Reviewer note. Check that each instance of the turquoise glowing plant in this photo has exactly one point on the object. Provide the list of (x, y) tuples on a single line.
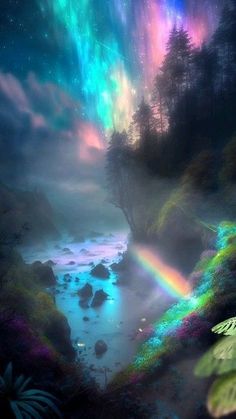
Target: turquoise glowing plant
[(221, 360), (189, 316), (22, 402)]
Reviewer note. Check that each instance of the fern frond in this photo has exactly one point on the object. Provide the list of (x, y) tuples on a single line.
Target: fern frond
[(227, 327), (225, 348), (222, 396), (26, 407), (219, 359)]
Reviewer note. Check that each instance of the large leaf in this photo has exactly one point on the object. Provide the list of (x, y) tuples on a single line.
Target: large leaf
[(220, 359), (7, 376), (29, 409), (19, 382), (2, 384), (37, 405), (35, 392), (48, 403), (227, 327), (16, 411), (225, 348), (24, 385), (222, 396)]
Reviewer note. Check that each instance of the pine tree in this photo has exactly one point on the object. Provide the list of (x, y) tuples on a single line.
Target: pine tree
[(159, 104), (174, 78), (224, 41), (143, 120)]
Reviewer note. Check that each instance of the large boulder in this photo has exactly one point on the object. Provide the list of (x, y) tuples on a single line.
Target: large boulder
[(100, 271), (117, 267), (67, 251), (84, 252), (100, 347), (99, 298), (44, 274), (67, 278), (86, 291), (58, 332)]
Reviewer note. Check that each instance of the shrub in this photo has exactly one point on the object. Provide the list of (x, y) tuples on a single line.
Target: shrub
[(22, 402)]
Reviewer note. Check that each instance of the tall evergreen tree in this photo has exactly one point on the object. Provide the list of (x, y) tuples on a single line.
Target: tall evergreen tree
[(159, 104), (176, 68), (224, 41), (143, 120)]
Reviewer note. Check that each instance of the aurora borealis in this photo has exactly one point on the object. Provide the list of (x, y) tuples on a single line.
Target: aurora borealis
[(114, 49), (71, 72), (117, 197)]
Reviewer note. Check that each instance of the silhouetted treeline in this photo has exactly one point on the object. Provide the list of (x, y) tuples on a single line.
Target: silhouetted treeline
[(190, 120)]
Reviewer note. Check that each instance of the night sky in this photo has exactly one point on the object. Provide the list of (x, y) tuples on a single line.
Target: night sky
[(72, 71)]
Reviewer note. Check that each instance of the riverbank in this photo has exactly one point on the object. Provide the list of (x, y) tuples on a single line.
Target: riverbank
[(120, 320)]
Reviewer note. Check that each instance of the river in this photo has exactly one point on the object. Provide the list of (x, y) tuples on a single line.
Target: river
[(118, 321)]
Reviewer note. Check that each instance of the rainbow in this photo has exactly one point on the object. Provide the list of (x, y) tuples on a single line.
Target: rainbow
[(168, 278), (185, 312)]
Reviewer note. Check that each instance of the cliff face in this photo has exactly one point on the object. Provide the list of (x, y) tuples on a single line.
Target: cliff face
[(34, 335), (25, 216)]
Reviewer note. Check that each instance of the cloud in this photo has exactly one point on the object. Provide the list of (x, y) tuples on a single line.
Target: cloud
[(45, 142), (41, 122)]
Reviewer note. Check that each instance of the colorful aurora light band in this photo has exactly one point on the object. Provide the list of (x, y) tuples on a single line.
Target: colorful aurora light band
[(115, 47), (168, 278)]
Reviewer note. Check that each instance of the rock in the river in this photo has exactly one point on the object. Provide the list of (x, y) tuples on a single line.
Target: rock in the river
[(58, 332), (44, 273), (77, 279), (67, 278), (115, 267), (122, 265), (86, 291), (100, 271), (100, 347), (86, 319), (99, 298), (84, 252), (67, 251)]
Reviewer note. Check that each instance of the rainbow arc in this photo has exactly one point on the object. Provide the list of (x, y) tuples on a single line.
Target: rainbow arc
[(172, 281)]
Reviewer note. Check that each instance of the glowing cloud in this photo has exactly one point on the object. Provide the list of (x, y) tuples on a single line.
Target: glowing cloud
[(90, 140)]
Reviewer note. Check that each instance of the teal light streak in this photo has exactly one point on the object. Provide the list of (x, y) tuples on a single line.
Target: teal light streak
[(98, 56)]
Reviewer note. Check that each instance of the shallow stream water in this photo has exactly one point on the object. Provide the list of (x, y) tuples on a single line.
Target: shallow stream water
[(117, 321)]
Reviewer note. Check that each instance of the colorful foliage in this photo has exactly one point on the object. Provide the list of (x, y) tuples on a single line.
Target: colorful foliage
[(188, 317), (23, 402)]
